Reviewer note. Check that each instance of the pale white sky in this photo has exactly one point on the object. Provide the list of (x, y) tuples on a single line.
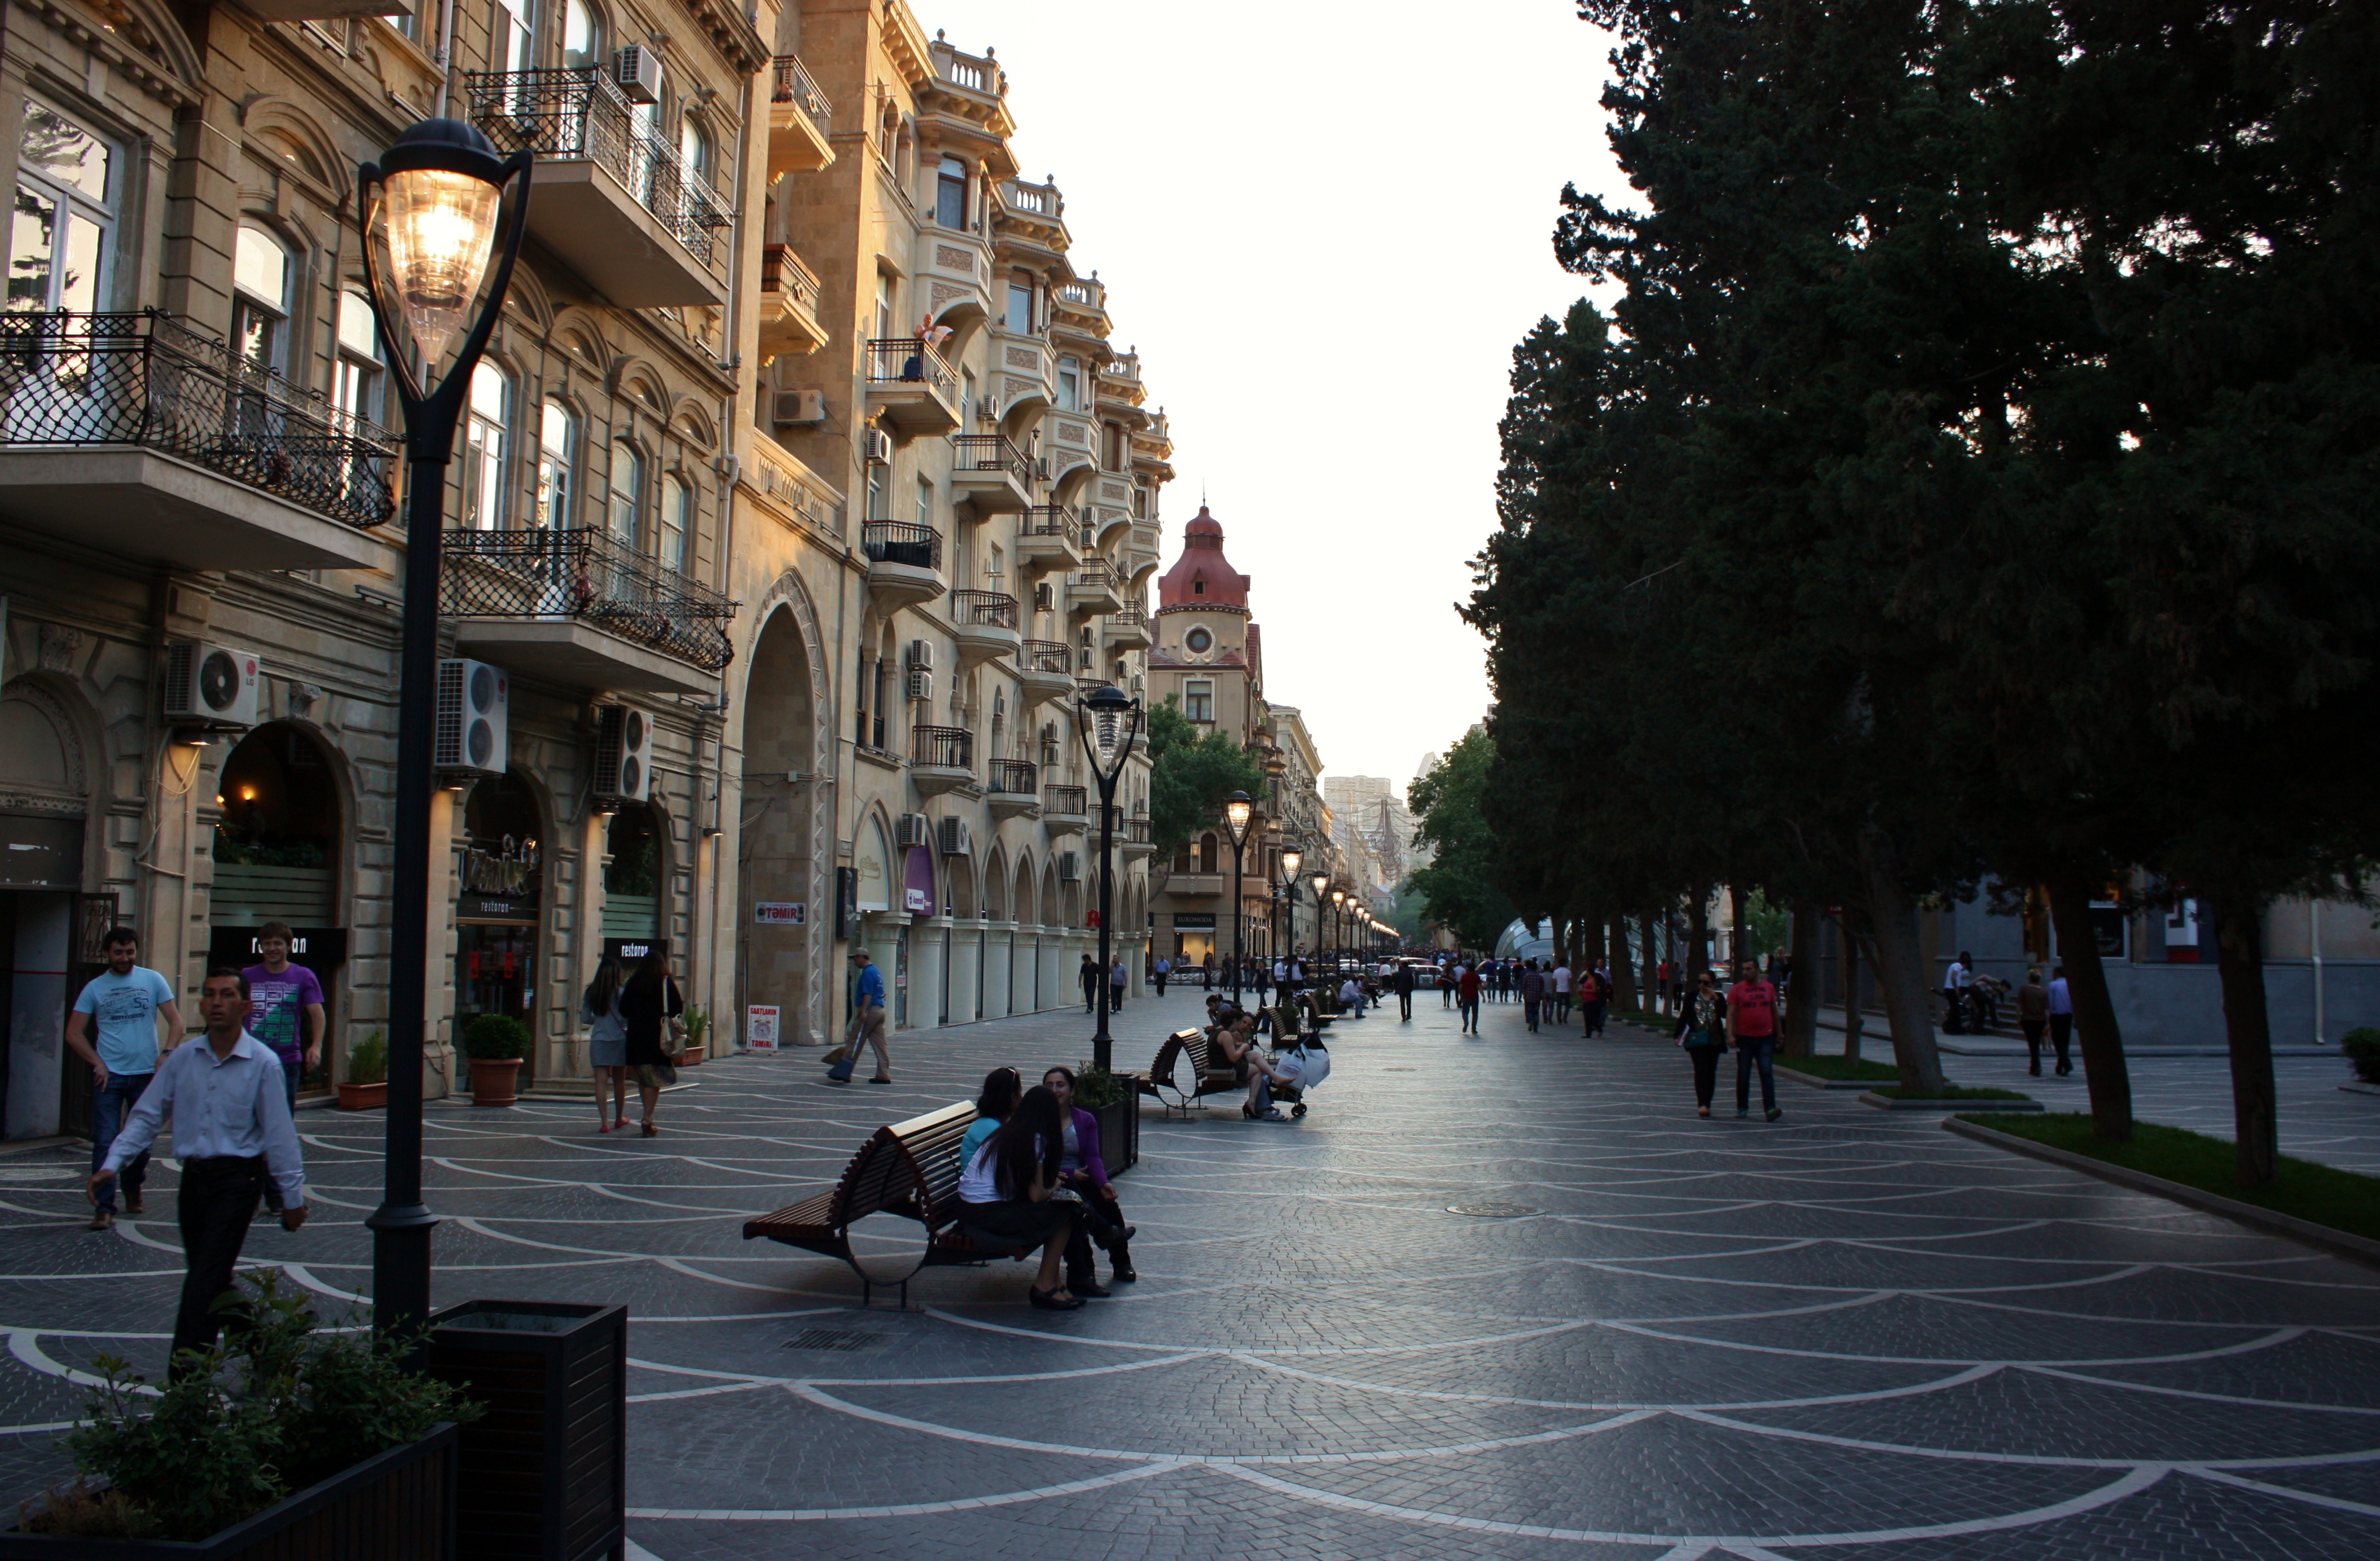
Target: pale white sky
[(1325, 225)]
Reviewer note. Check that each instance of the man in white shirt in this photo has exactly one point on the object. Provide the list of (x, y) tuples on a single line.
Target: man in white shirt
[(1562, 994), (231, 1130)]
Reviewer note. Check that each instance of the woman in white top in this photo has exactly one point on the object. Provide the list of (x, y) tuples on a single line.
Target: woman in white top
[(1005, 1188)]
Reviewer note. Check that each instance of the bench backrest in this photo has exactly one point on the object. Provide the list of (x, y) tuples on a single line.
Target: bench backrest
[(1190, 1045), (898, 1163)]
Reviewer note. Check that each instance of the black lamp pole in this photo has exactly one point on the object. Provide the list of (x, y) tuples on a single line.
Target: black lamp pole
[(1238, 814), (1100, 725), (431, 162)]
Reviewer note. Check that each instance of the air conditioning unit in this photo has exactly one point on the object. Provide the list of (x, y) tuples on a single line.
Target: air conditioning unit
[(1070, 866), (921, 655), (912, 831), (624, 754), (922, 685), (210, 685), (879, 445), (957, 840), (999, 703), (1045, 599), (800, 408), (987, 410), (636, 71), (473, 699)]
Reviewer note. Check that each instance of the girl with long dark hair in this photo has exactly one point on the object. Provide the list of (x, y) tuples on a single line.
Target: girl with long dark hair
[(607, 1044), (1002, 1089), (1006, 1191), (648, 1003)]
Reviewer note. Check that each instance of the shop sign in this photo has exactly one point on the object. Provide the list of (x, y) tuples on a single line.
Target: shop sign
[(628, 951), (781, 913), (487, 906), (920, 900), (760, 1027), (316, 948), (40, 853), (1194, 920)]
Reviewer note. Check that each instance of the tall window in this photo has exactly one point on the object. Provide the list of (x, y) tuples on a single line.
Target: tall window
[(582, 35), (66, 216), (516, 36), (358, 386), (884, 305), (678, 520), (483, 449), (557, 435), (260, 311), (1070, 384), (1198, 700), (876, 492), (1020, 304), (950, 193), (694, 145), (924, 502), (1114, 461), (627, 493)]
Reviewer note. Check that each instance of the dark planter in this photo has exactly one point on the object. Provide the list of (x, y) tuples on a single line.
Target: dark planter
[(397, 1506), (363, 1097), (544, 1472), (1119, 1134)]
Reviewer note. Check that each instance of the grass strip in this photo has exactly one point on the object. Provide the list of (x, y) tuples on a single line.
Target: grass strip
[(1842, 1068), (2344, 1201), (1949, 1093)]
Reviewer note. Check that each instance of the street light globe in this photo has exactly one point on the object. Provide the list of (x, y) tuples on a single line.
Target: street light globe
[(1338, 896), (441, 184), (1321, 882), (1289, 859), (1105, 711), (1238, 808)]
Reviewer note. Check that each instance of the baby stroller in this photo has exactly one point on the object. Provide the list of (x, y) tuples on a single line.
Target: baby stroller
[(1305, 1065)]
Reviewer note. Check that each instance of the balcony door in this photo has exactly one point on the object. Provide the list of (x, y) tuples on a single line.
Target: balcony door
[(61, 248)]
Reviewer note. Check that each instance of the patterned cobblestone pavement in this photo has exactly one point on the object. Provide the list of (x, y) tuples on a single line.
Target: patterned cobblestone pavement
[(1843, 1334)]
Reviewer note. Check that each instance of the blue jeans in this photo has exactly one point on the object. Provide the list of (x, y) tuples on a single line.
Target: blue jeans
[(108, 1109), (1750, 1049)]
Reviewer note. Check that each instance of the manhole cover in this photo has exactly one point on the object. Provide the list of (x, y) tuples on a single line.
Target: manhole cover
[(834, 1339), (1491, 1211)]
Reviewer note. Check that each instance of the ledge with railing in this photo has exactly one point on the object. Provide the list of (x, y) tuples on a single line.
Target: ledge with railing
[(783, 273), (1137, 832), (1073, 801), (902, 542), (1052, 520), (976, 73), (994, 452), (794, 85), (1015, 777), (1083, 293), (1033, 200), (146, 379), (587, 574), (983, 609), (908, 360), (578, 114), (1096, 575), (1046, 655), (941, 748), (1130, 614)]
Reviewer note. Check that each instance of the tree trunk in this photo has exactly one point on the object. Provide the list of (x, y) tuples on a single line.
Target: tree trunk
[(2240, 951), (1801, 1034), (2105, 1072), (1655, 1001), (1623, 970), (1900, 967), (1697, 935), (1854, 1021), (1737, 943)]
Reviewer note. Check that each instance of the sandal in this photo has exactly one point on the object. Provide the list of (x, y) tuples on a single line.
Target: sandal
[(1046, 1300), (603, 1125), (650, 1130), (623, 1120)]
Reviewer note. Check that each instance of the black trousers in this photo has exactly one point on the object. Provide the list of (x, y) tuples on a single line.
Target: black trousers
[(1405, 1004), (217, 1200), (1102, 1221), (2061, 1035), (1705, 1061)]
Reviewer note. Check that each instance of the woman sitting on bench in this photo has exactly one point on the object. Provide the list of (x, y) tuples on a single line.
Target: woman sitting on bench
[(1001, 1088), (1005, 1193), (1080, 1167), (1236, 1043)]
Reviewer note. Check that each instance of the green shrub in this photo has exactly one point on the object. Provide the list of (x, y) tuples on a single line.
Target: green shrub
[(2363, 1049), (496, 1038), (698, 1026), (1096, 1087), (368, 1061)]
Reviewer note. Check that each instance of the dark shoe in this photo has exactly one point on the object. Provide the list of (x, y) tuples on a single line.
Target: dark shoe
[(2034, 1070), (103, 1220), (133, 1205), (879, 1080), (1089, 1290), (1125, 1274), (1046, 1300), (650, 1130), (1774, 1112), (1742, 1112)]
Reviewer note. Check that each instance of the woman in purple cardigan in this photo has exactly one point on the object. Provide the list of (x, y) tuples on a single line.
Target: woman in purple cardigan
[(1081, 1168)]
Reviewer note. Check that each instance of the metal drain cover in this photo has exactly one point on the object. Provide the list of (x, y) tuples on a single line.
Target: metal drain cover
[(836, 1339), (1492, 1211)]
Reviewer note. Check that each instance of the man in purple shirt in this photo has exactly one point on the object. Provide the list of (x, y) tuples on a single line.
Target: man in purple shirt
[(286, 1016)]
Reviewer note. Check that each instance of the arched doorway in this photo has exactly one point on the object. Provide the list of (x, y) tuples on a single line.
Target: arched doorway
[(785, 910), (277, 853), (48, 931), (499, 909)]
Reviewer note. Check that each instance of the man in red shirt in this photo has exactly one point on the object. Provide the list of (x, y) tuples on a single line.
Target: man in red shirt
[(1466, 997), (1752, 1028)]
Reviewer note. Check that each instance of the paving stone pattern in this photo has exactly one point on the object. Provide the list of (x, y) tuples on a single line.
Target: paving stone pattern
[(1847, 1333)]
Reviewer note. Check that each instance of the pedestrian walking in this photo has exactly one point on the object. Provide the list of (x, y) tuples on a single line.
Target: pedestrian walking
[(1532, 992), (113, 1029), (1449, 978), (287, 1012), (867, 1018), (1702, 1030), (2033, 1016), (607, 1042), (1466, 986), (2061, 1018), (1751, 1027), (1163, 968), (650, 1001), (1561, 988), (1089, 976), (1404, 983), (1118, 979), (231, 1130), (1954, 995), (1593, 996)]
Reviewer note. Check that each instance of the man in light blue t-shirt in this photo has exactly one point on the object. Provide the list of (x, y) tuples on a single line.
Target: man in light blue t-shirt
[(122, 1005)]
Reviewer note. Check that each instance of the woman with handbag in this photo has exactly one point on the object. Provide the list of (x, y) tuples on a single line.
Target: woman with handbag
[(651, 1004), (1702, 1030)]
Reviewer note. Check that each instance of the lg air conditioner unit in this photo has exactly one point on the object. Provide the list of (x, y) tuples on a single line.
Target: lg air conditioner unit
[(921, 655), (1070, 868), (957, 840), (624, 754), (473, 698), (879, 445), (636, 71), (800, 408), (922, 685), (912, 832), (211, 686), (987, 410)]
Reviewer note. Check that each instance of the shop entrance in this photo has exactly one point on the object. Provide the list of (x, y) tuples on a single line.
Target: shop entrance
[(277, 854), (497, 920), (49, 946)]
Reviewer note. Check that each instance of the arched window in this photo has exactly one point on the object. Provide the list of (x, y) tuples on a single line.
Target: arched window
[(582, 35), (485, 448), (950, 193), (260, 274), (557, 435), (694, 145), (678, 520), (628, 497)]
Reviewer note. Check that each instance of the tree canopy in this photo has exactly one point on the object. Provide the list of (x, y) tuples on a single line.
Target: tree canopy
[(1190, 775)]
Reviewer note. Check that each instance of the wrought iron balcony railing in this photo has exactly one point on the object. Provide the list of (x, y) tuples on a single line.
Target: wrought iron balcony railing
[(793, 85), (1046, 655), (578, 114), (148, 380), (907, 360), (984, 609), (902, 542), (941, 748), (1137, 832), (994, 452), (1073, 801), (1019, 776), (587, 574), (1130, 613), (1054, 521), (1096, 575)]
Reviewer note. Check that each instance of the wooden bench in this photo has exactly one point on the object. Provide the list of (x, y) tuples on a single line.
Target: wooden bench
[(910, 1169), (1187, 1049), (1315, 1020)]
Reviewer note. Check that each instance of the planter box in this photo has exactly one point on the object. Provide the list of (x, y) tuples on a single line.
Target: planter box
[(1119, 1134), (397, 1506), (1887, 1103), (691, 1055), (363, 1097), (544, 1472), (494, 1081)]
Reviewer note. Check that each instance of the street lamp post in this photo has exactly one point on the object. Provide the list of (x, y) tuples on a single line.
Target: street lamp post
[(1238, 808), (1338, 931), (1285, 895), (1107, 738), (1321, 882), (430, 208)]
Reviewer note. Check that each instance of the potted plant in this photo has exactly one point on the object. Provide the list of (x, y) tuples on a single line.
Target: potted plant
[(698, 1028), (318, 1441), (1113, 1104), (495, 1043), (2362, 1048), (366, 1085)]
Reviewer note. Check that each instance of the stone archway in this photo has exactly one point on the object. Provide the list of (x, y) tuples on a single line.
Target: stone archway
[(783, 903)]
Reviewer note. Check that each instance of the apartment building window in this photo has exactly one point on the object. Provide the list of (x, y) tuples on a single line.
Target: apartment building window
[(967, 399), (1198, 700), (64, 233), (1114, 461), (357, 384), (677, 515), (557, 436), (1070, 384), (924, 502), (694, 146), (1020, 304), (1140, 504), (627, 494), (484, 448), (582, 35), (515, 34), (950, 194), (876, 493), (260, 311), (883, 305)]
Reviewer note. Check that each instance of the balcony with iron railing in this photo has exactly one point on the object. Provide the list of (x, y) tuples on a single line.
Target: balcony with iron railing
[(989, 472), (139, 437), (984, 624), (614, 201), (801, 120), (1136, 837), (940, 759), (904, 562), (1050, 538), (910, 385), (1095, 589), (1127, 627), (1065, 809), (1014, 787), (581, 608), (789, 299)]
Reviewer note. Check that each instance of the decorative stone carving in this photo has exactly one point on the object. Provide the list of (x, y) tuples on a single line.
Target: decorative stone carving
[(60, 647), (951, 258), (1073, 434), (1023, 358)]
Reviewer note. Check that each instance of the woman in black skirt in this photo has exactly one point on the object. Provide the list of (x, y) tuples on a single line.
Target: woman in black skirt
[(1005, 1193), (648, 1003)]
